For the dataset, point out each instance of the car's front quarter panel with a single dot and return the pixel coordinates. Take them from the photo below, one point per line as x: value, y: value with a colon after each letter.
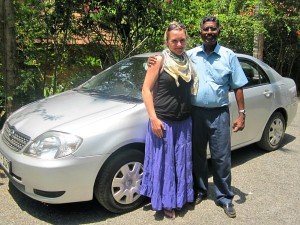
x: 107, y: 136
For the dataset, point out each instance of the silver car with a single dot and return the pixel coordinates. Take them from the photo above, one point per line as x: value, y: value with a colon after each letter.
x: 89, y: 141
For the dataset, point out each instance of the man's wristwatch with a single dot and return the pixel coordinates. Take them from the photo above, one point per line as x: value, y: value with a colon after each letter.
x: 242, y: 111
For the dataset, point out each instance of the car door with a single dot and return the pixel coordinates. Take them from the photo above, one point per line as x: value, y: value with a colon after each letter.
x: 258, y: 94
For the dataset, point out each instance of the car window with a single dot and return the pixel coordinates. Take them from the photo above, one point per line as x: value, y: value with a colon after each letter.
x: 122, y: 81
x: 254, y: 73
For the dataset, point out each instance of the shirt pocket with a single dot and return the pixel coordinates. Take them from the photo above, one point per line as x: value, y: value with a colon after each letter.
x: 221, y: 76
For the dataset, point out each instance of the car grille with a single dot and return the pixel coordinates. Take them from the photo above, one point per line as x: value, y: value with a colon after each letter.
x: 13, y: 138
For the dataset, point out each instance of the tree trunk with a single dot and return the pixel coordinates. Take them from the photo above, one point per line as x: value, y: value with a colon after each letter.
x: 258, y: 46
x: 258, y: 42
x: 2, y: 108
x: 8, y: 53
x: 1, y: 33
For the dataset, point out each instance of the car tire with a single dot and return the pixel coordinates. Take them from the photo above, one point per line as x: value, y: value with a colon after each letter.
x: 273, y: 133
x: 117, y: 184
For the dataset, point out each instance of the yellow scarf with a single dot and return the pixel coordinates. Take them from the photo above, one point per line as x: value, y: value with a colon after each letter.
x: 177, y: 66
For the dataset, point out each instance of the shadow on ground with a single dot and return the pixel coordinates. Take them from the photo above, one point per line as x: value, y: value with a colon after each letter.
x: 72, y: 213
x: 2, y: 176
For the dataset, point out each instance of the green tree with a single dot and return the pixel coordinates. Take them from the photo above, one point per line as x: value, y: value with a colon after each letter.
x: 8, y: 55
x: 44, y: 31
x: 61, y: 43
x: 121, y: 26
x: 281, y: 19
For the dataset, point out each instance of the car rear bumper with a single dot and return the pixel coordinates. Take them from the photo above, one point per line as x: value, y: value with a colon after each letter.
x: 69, y: 179
x: 292, y: 111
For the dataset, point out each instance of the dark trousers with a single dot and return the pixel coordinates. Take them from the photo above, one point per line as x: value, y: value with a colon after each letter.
x: 212, y: 126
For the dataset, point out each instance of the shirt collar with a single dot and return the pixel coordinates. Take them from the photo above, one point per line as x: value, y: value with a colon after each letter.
x: 216, y: 50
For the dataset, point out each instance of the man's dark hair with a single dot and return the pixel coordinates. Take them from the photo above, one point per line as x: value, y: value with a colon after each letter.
x: 211, y: 19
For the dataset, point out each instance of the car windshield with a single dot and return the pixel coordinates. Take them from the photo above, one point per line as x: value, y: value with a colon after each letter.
x: 122, y: 81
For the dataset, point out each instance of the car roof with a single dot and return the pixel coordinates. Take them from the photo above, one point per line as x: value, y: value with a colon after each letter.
x: 148, y: 54
x: 265, y: 66
x: 239, y: 55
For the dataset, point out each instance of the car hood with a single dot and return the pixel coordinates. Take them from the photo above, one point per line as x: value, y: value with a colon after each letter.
x: 55, y: 111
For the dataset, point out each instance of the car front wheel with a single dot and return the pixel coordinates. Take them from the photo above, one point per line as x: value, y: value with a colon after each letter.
x: 116, y: 186
x: 273, y: 133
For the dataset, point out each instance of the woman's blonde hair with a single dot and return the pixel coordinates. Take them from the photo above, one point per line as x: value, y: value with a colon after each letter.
x: 174, y: 25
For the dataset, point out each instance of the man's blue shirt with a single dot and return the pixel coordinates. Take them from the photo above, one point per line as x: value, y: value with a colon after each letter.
x: 217, y: 73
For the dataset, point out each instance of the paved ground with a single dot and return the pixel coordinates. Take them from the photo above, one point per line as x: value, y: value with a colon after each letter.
x: 266, y: 185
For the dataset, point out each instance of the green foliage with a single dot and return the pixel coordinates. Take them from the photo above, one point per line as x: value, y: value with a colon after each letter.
x: 63, y: 43
x: 282, y: 49
x: 124, y: 23
x: 92, y: 61
x: 278, y: 20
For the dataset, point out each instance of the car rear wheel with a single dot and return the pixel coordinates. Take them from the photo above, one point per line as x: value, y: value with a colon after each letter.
x: 273, y: 133
x: 116, y: 186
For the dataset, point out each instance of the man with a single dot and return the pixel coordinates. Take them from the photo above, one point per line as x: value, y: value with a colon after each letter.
x: 218, y: 70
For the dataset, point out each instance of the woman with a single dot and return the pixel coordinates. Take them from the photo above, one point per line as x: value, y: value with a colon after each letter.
x: 167, y: 176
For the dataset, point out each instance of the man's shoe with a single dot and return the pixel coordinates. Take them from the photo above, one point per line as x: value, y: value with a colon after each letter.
x: 229, y: 210
x: 199, y: 198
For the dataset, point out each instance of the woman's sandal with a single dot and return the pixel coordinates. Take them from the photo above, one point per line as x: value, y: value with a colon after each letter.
x: 170, y: 214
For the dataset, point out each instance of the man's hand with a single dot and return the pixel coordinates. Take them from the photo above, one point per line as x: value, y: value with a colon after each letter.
x: 151, y: 60
x: 239, y: 123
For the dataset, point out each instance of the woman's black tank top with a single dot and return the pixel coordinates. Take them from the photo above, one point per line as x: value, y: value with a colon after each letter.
x: 172, y: 102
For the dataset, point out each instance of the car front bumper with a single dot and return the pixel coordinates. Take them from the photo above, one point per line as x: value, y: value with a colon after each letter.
x: 69, y: 179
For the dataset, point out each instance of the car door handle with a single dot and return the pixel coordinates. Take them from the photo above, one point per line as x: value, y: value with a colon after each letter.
x: 267, y: 93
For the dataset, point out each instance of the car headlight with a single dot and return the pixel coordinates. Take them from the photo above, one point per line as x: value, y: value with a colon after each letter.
x: 52, y: 145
